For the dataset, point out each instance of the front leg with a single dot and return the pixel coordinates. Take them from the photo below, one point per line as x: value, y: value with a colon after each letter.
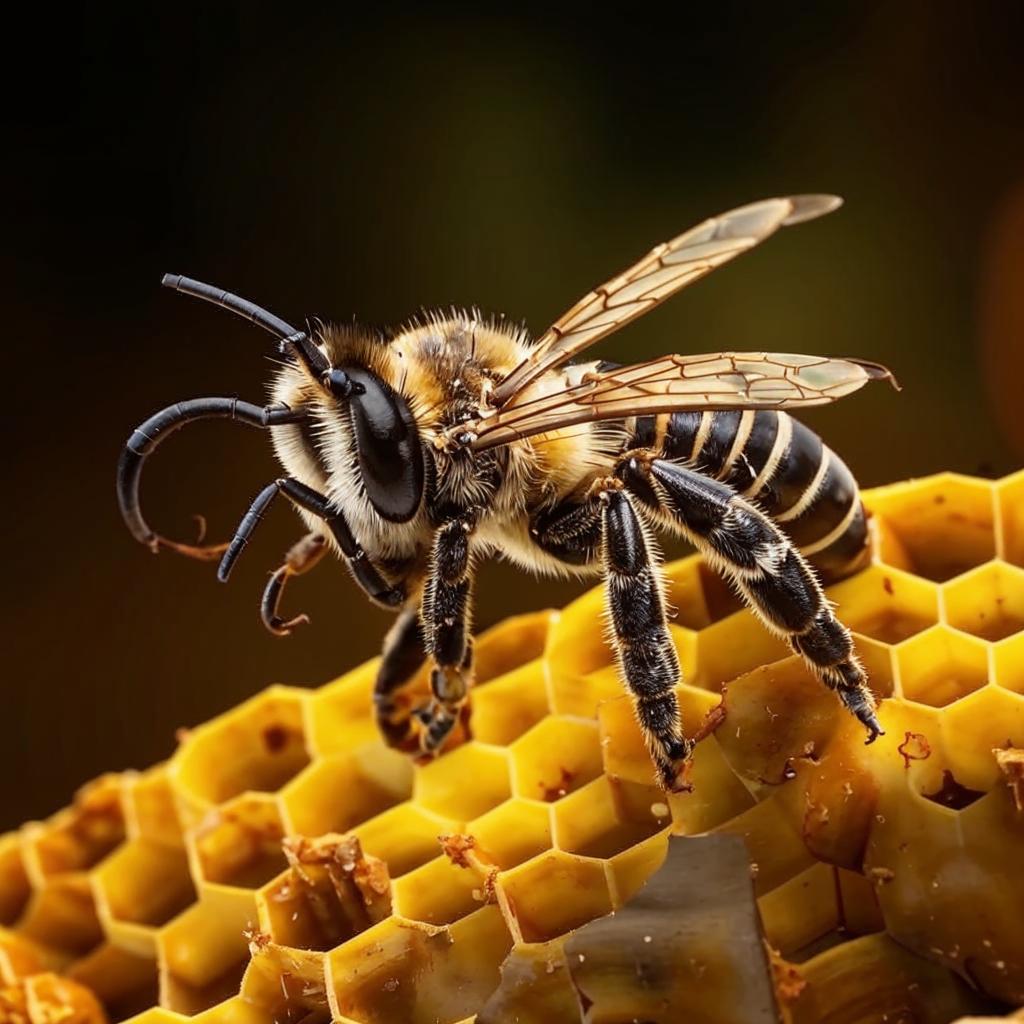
x: 446, y: 629
x: 647, y: 656
x: 364, y: 571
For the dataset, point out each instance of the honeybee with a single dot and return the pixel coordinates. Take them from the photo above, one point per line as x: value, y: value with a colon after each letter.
x: 414, y: 453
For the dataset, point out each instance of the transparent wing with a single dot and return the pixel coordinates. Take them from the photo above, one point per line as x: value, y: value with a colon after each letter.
x: 664, y: 271
x: 724, y: 380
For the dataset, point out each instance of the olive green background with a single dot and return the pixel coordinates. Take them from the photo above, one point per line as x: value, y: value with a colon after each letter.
x: 343, y: 166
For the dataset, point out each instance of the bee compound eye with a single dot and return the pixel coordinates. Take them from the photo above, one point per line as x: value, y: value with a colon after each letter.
x: 388, y: 447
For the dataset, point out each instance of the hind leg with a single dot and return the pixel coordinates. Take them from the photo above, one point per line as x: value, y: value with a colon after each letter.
x: 766, y: 569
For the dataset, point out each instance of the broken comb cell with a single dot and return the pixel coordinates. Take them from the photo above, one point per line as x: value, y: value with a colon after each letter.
x: 286, y: 865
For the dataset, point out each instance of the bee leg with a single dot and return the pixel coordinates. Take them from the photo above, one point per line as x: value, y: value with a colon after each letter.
x: 446, y: 624
x: 647, y: 657
x: 403, y: 655
x: 570, y: 530
x: 301, y: 557
x: 367, y: 576
x: 767, y: 570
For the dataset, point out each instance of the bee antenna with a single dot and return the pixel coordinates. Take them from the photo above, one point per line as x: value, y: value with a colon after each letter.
x: 147, y: 436
x: 296, y: 342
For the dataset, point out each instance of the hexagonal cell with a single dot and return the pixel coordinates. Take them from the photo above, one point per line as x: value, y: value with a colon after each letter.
x: 728, y: 648
x: 1008, y: 663
x: 510, y: 645
x: 859, y: 912
x: 126, y: 984
x: 608, y: 816
x: 777, y: 851
x: 192, y: 1000
x: 144, y: 883
x: 439, y: 893
x: 697, y: 594
x: 404, y: 837
x: 240, y: 842
x: 513, y: 832
x: 238, y: 1010
x: 879, y: 662
x: 576, y: 644
x: 81, y: 835
x: 581, y: 696
x: 629, y: 870
x: 717, y: 796
x: 953, y: 794
x: 405, y: 971
x: 14, y: 885
x: 504, y: 709
x: 257, y: 746
x: 885, y: 604
x: 464, y: 783
x: 555, y: 757
x: 336, y: 793
x: 203, y: 951
x: 800, y: 910
x: 988, y: 602
x: 525, y: 894
x: 938, y: 527
x: 158, y: 1015
x: 890, y: 982
x: 340, y: 714
x: 974, y: 728
x: 62, y: 915
x: 149, y: 809
x: 281, y: 984
x: 1010, y: 508
x: 21, y: 956
x: 940, y: 666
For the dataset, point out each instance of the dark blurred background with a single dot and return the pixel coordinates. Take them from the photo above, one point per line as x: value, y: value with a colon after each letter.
x: 342, y: 165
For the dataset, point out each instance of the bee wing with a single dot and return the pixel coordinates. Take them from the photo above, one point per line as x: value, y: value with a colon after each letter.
x: 660, y: 274
x: 725, y: 380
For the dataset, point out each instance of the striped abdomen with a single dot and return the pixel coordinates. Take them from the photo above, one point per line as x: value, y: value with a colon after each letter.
x: 783, y: 466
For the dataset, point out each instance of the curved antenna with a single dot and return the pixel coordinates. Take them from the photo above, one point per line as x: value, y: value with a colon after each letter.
x: 298, y: 342
x: 157, y: 428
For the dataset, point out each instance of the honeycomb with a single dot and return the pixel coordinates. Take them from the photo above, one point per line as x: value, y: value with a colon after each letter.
x: 285, y: 866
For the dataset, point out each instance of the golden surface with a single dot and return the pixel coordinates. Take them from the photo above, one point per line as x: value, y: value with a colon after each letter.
x: 886, y: 874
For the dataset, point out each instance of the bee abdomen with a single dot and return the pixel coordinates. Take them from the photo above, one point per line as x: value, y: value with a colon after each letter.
x: 780, y: 464
x: 811, y: 493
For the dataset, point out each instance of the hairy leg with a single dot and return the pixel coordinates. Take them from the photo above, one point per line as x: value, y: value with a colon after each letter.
x: 404, y: 653
x: 767, y: 570
x: 647, y: 656
x: 446, y: 614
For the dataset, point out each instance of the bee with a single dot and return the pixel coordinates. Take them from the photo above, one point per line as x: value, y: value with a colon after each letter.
x: 414, y: 453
